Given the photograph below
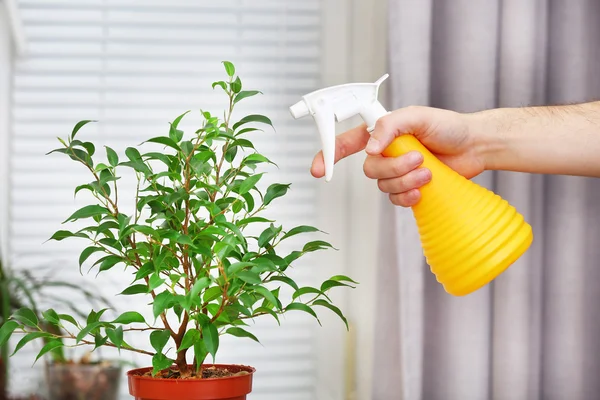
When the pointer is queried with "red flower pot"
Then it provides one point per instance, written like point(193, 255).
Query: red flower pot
point(228, 388)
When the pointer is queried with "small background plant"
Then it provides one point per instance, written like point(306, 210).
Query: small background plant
point(189, 243)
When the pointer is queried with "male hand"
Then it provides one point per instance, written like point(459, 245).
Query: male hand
point(448, 135)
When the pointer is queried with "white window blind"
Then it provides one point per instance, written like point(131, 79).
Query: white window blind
point(134, 66)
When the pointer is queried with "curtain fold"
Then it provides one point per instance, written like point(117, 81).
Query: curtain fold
point(534, 333)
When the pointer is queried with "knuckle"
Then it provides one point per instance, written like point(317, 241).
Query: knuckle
point(396, 200)
point(381, 185)
point(342, 147)
point(369, 168)
point(398, 167)
point(382, 125)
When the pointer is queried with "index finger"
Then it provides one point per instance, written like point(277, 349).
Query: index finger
point(406, 120)
point(346, 144)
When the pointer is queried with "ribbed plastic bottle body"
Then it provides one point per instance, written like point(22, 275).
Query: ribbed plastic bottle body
point(469, 234)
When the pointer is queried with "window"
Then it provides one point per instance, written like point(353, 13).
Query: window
point(134, 66)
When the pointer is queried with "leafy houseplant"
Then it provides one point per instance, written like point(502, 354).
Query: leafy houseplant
point(20, 288)
point(187, 246)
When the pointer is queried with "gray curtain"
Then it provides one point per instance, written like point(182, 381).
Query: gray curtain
point(535, 332)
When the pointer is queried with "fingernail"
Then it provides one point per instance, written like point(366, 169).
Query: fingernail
point(372, 145)
point(414, 157)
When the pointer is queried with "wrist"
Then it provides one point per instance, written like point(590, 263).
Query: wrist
point(489, 131)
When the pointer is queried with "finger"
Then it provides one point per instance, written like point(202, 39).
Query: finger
point(413, 180)
point(402, 121)
point(407, 199)
point(378, 167)
point(346, 144)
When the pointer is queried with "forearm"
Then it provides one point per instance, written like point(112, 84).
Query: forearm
point(561, 140)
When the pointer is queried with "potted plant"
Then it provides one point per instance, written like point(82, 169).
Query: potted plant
point(66, 377)
point(189, 247)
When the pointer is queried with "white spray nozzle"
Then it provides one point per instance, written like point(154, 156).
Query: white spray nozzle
point(339, 103)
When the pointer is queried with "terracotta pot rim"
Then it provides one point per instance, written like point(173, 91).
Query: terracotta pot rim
point(251, 370)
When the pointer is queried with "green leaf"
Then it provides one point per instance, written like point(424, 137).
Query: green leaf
point(333, 308)
point(25, 316)
point(249, 183)
point(184, 239)
point(51, 316)
point(302, 307)
point(266, 293)
point(256, 158)
point(252, 118)
point(82, 187)
point(251, 220)
point(160, 362)
point(266, 311)
point(210, 337)
point(85, 331)
point(211, 294)
point(159, 339)
point(115, 336)
point(187, 147)
point(239, 332)
point(274, 191)
point(28, 338)
point(60, 235)
point(164, 140)
point(175, 134)
point(133, 154)
point(229, 68)
point(238, 266)
point(220, 83)
point(266, 236)
point(91, 149)
point(284, 279)
point(154, 282)
point(244, 94)
point(51, 345)
point(68, 318)
point(129, 317)
point(328, 284)
point(342, 278)
point(189, 339)
point(162, 301)
point(87, 212)
point(222, 249)
point(109, 262)
point(113, 158)
point(95, 316)
point(177, 120)
point(78, 126)
point(300, 229)
point(236, 85)
point(249, 277)
point(231, 153)
point(135, 289)
point(249, 201)
point(7, 330)
point(200, 285)
point(306, 290)
point(316, 245)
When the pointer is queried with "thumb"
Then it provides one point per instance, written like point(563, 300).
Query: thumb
point(389, 127)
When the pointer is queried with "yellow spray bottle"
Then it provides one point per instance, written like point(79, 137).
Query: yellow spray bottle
point(469, 234)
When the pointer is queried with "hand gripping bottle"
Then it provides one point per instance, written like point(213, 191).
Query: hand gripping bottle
point(469, 234)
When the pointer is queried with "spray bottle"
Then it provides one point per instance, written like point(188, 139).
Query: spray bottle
point(469, 235)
